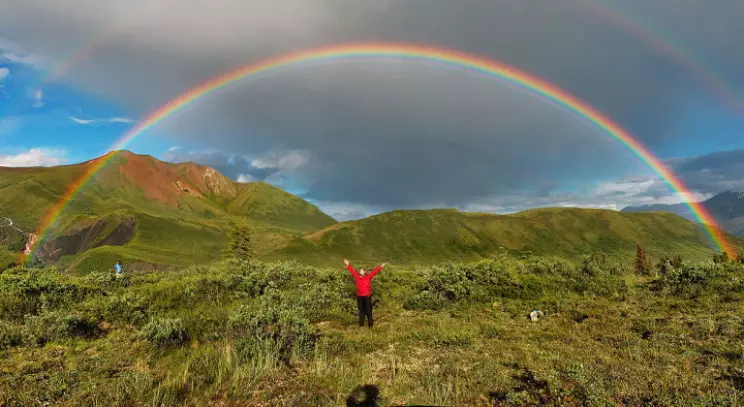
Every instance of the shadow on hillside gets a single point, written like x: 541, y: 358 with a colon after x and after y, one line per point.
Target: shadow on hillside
x: 369, y: 396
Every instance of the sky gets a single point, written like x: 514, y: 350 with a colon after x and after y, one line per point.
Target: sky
x: 358, y: 137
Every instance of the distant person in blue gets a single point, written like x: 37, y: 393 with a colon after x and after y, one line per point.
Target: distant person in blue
x: 118, y: 268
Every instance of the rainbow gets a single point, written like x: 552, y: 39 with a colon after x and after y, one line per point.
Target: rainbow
x: 716, y: 85
x: 87, y: 48
x: 412, y: 52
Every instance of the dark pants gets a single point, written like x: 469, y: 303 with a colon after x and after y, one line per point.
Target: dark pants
x: 365, y: 309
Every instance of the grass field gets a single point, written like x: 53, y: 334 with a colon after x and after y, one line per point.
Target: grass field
x: 240, y: 333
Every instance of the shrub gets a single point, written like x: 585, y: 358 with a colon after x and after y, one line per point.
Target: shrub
x: 323, y: 301
x: 33, y: 290
x: 449, y: 281
x: 14, y: 307
x: 129, y: 307
x: 165, y: 331
x: 10, y: 336
x: 425, y: 300
x: 272, y: 324
x: 56, y: 325
x: 255, y: 278
x: 100, y: 278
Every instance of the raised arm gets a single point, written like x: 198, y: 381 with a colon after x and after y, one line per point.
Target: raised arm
x: 351, y: 269
x: 377, y: 270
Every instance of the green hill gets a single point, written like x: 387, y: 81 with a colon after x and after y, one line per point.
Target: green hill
x: 178, y: 213
x: 424, y: 236
x: 273, y: 206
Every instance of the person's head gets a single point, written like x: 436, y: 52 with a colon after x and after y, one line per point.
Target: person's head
x: 362, y: 272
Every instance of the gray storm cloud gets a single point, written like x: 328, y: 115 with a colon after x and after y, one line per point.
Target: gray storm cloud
x: 388, y: 133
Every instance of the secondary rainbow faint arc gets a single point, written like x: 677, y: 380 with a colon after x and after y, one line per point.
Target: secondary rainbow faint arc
x: 402, y: 51
x: 715, y: 82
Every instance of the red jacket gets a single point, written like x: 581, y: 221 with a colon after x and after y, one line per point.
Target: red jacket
x: 364, y: 284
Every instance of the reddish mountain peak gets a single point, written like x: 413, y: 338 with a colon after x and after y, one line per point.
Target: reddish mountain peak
x: 167, y: 182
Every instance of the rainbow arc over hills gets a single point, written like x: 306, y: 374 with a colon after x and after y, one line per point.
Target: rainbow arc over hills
x: 412, y: 52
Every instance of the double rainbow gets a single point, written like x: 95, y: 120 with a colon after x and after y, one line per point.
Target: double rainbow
x: 446, y: 57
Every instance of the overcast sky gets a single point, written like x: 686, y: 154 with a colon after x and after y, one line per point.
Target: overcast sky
x: 363, y: 136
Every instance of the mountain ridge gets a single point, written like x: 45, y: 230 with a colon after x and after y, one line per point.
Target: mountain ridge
x: 142, y: 210
x: 727, y: 208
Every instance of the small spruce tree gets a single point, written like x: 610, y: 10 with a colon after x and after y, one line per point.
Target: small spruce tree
x: 241, y: 242
x: 642, y: 264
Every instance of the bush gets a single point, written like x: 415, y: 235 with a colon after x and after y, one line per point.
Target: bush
x: 56, y: 325
x: 322, y: 301
x: 10, y: 336
x: 255, y: 278
x: 691, y: 281
x: 165, y: 331
x: 517, y: 280
x: 28, y: 292
x: 129, y: 308
x: 14, y: 307
x: 425, y: 300
x: 272, y: 324
x: 449, y: 281
x: 100, y: 278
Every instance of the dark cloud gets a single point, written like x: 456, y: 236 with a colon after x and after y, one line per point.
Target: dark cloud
x: 712, y: 173
x: 387, y: 133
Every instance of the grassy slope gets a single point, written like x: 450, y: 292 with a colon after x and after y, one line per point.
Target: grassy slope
x: 27, y: 194
x: 190, y: 229
x: 440, y: 235
x: 273, y: 206
x: 180, y: 229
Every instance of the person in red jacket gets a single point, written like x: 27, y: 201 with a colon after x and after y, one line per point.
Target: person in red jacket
x: 363, y: 283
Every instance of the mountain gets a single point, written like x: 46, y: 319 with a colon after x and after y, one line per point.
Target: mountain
x: 145, y: 210
x: 677, y: 209
x: 727, y: 208
x: 150, y: 213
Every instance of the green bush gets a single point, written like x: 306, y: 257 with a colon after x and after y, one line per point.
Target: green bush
x: 10, y: 335
x: 255, y: 277
x: 57, y: 325
x: 512, y: 279
x: 274, y: 324
x: 165, y: 332
x: 130, y: 308
x: 106, y: 279
x: 14, y: 307
x: 691, y: 281
x: 425, y: 300
x: 449, y: 281
x: 29, y: 291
